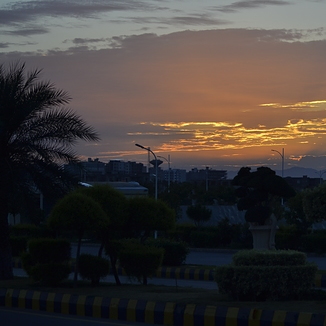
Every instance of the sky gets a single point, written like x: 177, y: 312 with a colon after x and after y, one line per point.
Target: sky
x: 218, y: 84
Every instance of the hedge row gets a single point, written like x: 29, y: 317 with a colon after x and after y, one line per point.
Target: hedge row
x: 261, y: 275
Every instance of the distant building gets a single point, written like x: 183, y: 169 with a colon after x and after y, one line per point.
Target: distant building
x: 304, y: 182
x: 209, y: 176
x: 176, y: 175
x: 90, y: 170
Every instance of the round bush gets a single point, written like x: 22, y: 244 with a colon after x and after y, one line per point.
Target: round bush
x: 51, y: 274
x: 93, y: 268
x: 141, y: 261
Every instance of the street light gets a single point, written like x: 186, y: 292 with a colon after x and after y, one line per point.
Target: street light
x: 149, y: 150
x: 168, y: 160
x: 282, y: 155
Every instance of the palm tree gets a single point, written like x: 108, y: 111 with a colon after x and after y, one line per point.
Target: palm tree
x: 37, y: 134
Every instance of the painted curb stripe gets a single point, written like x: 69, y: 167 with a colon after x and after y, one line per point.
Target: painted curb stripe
x: 209, y: 315
x: 36, y: 300
x: 140, y: 309
x: 199, y: 315
x: 254, y: 317
x: 159, y: 313
x: 155, y: 312
x: 279, y: 318
x: 105, y: 307
x: 97, y: 307
x: 318, y: 319
x: 169, y: 313
x: 149, y: 313
x: 267, y: 318
x: 220, y: 317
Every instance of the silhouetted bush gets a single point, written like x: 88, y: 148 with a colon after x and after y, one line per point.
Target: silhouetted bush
x: 47, y: 260
x: 140, y: 261
x: 288, y: 237
x: 93, y: 268
x: 261, y: 275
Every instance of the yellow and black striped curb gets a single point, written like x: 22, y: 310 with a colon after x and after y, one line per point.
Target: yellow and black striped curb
x: 186, y: 273
x: 150, y: 312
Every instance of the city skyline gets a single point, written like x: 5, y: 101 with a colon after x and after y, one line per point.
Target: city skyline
x: 219, y: 85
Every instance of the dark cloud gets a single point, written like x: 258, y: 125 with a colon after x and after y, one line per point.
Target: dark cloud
x: 203, y: 19
x: 79, y: 40
x: 27, y: 31
x: 249, y: 4
x: 21, y: 12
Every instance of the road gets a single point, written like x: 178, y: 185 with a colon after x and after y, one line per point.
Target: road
x: 204, y: 257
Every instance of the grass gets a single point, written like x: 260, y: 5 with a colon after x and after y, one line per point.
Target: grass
x: 181, y: 295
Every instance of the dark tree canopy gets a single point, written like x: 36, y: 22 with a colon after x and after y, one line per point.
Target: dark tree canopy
x: 37, y: 134
x: 257, y: 192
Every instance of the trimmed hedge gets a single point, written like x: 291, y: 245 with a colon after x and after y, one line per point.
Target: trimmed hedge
x: 259, y: 283
x: 140, y: 261
x: 261, y: 275
x: 93, y: 268
x: 269, y: 258
x: 47, y: 260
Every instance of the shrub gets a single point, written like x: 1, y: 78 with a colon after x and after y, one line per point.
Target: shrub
x: 175, y: 252
x: 259, y: 283
x: 260, y: 275
x: 182, y: 232
x: 47, y: 260
x: 50, y: 273
x: 93, y: 268
x: 18, y: 245
x: 140, y: 261
x: 31, y: 231
x: 49, y: 250
x: 269, y: 258
x: 288, y: 237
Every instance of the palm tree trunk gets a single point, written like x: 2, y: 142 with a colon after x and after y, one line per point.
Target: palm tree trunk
x: 6, y: 270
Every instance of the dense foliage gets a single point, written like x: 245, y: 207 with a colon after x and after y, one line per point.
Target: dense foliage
x: 37, y: 135
x: 262, y: 275
x: 258, y: 192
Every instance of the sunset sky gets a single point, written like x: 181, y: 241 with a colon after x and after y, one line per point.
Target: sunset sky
x: 210, y: 83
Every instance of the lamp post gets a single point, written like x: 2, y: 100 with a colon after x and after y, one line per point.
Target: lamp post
x: 169, y: 175
x: 149, y: 150
x: 282, y: 155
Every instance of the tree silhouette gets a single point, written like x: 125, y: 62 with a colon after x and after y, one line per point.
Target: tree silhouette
x: 37, y: 135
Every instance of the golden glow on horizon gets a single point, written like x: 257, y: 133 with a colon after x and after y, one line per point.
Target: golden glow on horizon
x: 208, y: 136
x: 303, y: 106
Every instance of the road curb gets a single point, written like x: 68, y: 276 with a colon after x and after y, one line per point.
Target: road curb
x: 150, y: 312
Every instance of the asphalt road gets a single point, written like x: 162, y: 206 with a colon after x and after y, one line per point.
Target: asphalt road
x: 203, y: 257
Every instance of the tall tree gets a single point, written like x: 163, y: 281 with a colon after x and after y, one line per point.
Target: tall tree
x: 78, y: 213
x: 37, y: 134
